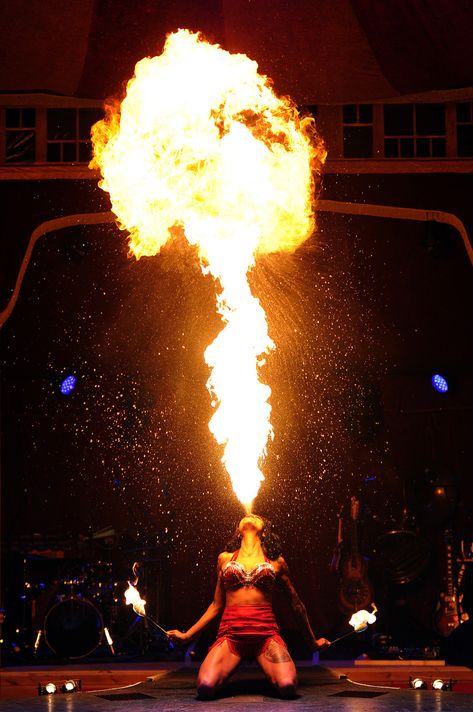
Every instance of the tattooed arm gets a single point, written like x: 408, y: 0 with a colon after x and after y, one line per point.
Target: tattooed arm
x: 299, y: 608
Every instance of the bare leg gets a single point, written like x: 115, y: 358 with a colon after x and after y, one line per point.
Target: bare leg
x: 277, y: 664
x: 216, y: 668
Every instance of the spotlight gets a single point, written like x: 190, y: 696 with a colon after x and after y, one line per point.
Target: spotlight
x: 48, y: 689
x: 417, y: 683
x: 439, y: 383
x: 68, y: 385
x: 439, y: 684
x: 71, y: 686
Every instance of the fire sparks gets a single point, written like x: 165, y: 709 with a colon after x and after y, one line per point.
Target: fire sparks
x: 201, y: 143
x: 133, y: 597
x: 362, y: 619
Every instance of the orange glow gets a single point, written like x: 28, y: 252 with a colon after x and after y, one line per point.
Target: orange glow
x: 202, y: 143
x: 133, y: 598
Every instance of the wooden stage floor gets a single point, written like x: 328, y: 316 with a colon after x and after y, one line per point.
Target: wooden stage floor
x: 170, y: 687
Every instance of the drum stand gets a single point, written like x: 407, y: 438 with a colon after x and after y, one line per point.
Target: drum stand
x: 140, y: 626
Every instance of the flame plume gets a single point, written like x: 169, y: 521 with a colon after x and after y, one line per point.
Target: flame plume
x: 202, y: 142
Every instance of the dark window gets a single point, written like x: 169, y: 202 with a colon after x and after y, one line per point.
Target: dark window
x: 415, y: 131
x: 12, y: 118
x: 85, y: 151
x: 464, y: 112
x: 53, y: 152
x: 465, y: 140
x: 465, y: 129
x: 29, y: 118
x: 20, y: 135
x: 357, y: 130
x: 349, y: 114
x: 423, y: 147
x: 398, y: 120
x: 439, y: 147
x: 407, y: 147
x: 62, y: 124
x: 20, y: 146
x: 430, y: 119
x: 87, y: 118
x: 69, y: 152
x: 391, y: 149
x: 358, y: 141
x: 365, y: 113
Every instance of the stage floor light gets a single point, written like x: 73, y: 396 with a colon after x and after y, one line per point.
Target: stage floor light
x: 48, y: 689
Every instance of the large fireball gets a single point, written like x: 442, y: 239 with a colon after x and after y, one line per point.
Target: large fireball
x: 202, y: 142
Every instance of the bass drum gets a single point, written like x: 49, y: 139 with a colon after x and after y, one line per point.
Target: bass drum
x: 73, y: 628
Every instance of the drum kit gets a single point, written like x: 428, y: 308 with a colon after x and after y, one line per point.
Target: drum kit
x: 75, y: 602
x: 79, y: 612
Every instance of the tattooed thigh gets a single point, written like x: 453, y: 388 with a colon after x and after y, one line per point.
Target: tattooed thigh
x: 276, y: 653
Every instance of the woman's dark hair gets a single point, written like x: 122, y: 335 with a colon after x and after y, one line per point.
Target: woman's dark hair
x: 270, y: 541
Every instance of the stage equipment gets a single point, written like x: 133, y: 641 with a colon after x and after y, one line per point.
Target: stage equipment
x: 355, y: 589
x: 71, y: 686
x: 403, y: 555
x: 68, y: 385
x: 73, y: 628
x: 447, y: 616
x: 48, y: 689
x: 439, y: 684
x: 417, y: 683
x: 439, y: 383
x: 109, y: 640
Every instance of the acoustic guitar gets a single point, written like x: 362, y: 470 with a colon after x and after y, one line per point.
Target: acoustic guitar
x: 355, y: 589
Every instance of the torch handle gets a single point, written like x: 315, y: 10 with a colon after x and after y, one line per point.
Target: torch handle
x: 151, y: 620
x: 341, y: 637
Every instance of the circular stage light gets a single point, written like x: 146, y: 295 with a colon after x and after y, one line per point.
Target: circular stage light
x: 68, y: 385
x: 439, y: 383
x: 69, y: 686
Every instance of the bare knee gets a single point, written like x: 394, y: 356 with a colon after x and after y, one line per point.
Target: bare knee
x: 206, y: 690
x: 208, y: 685
x: 286, y: 686
x: 287, y: 690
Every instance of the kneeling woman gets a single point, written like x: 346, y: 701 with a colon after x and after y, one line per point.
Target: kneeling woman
x: 248, y: 628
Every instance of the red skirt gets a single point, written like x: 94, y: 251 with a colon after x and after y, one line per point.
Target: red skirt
x: 248, y: 630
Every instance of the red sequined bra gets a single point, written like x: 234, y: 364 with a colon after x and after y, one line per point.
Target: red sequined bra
x: 261, y: 576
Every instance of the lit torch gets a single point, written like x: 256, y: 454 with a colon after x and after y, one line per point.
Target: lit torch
x: 359, y: 622
x: 201, y: 143
x: 133, y: 598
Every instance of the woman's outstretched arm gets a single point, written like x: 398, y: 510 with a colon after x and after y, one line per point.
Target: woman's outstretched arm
x: 215, y: 608
x: 299, y: 608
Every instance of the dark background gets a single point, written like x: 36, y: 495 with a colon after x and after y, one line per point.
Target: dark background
x: 362, y: 315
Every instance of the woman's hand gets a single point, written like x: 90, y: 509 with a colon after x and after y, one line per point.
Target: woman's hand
x: 321, y: 643
x: 177, y: 635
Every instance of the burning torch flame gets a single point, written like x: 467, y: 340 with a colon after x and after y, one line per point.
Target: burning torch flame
x: 133, y: 597
x: 202, y: 143
x: 362, y: 619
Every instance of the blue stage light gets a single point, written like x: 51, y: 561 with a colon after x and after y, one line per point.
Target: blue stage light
x: 68, y: 385
x: 439, y: 383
